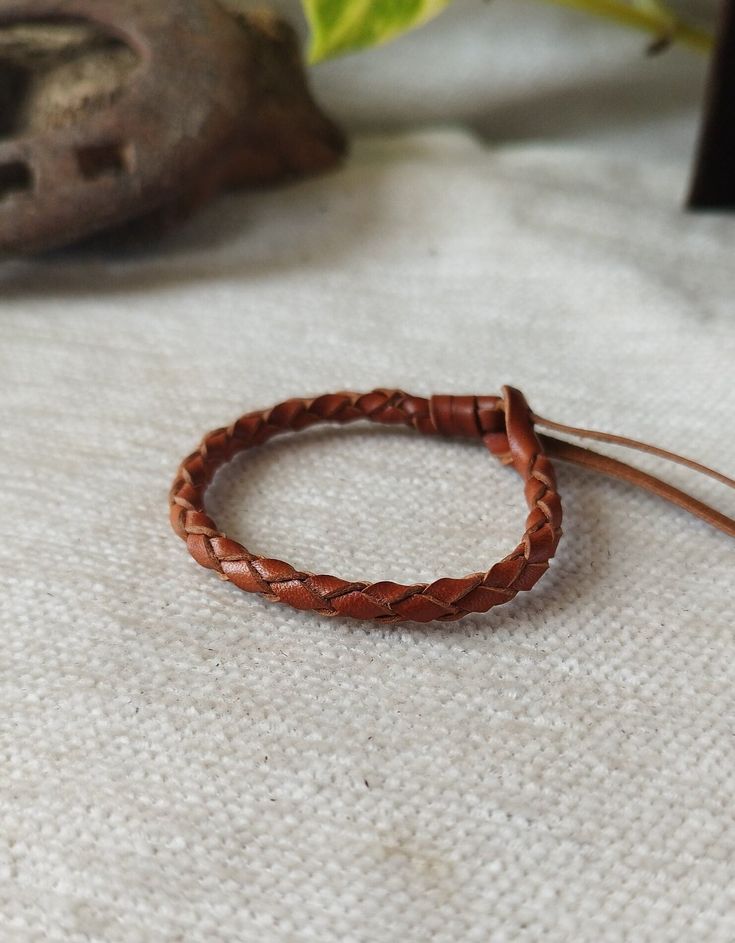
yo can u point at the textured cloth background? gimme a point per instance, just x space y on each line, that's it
182 762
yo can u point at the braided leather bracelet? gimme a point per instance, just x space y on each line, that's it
504 423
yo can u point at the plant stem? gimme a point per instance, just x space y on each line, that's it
665 26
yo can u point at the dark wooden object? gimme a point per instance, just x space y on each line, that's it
713 185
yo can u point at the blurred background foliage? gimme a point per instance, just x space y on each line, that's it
340 26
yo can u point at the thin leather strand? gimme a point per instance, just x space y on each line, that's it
635 444
506 427
613 468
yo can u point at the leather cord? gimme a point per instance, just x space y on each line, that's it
506 426
613 468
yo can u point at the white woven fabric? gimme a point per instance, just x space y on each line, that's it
182 762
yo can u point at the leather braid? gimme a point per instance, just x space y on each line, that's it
505 426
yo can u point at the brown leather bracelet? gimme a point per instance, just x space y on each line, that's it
505 424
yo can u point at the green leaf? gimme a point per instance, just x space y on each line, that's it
339 26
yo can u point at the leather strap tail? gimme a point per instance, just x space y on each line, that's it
613 468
